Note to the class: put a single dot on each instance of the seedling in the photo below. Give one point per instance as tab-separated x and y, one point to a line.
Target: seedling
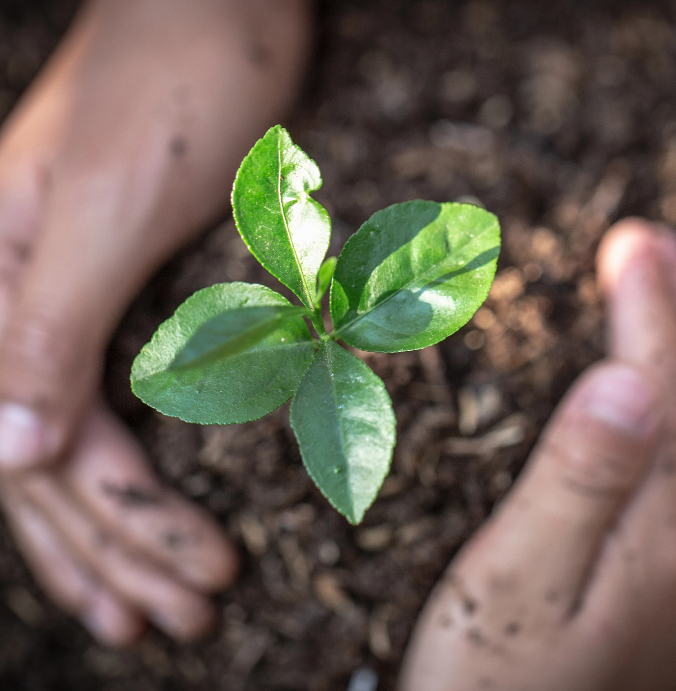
413	274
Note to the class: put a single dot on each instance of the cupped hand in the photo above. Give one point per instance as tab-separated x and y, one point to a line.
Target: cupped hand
114	547
123	148
572	582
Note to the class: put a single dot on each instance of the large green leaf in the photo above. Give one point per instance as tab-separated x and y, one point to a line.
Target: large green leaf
345	426
233	332
413	274
286	230
238	388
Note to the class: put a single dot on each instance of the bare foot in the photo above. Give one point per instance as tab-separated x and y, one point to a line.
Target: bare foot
572	583
124	147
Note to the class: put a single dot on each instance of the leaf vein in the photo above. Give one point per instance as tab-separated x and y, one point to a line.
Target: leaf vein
341	433
286	224
394	293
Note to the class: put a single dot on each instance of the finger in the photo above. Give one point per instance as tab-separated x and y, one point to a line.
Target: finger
68	584
527	567
33	335
590	458
109	475
121	202
84	268
49	363
20	204
637	271
176	609
19	217
27	141
632	595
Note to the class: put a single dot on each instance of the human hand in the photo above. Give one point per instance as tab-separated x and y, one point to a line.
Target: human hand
124	147
111	545
572	582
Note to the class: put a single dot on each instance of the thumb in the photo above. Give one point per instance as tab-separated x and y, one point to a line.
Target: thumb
590	458
530	563
637	272
70	298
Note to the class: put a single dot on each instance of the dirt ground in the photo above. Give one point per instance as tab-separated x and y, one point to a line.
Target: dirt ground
560	117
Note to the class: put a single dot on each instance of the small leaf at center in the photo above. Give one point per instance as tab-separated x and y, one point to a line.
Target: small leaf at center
324	278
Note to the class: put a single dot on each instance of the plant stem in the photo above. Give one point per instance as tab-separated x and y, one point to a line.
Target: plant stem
318	323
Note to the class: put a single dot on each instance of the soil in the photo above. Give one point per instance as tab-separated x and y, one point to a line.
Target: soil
560	117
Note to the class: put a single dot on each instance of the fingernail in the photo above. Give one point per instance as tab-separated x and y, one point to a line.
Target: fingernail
185	625
169	624
668	258
22	436
620	396
102	619
668	244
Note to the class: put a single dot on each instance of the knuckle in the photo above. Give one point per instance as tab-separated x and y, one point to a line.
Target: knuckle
668	566
38	338
601	466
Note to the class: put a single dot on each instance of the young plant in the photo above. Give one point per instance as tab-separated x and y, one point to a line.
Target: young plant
413	274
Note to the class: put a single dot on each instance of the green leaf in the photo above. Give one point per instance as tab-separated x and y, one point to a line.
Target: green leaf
285	229
242	387
345	426
324	278
413	274
232	332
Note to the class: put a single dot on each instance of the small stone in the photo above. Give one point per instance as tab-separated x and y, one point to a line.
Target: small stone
296	563
477	406
329	592
414	531
379	638
374	539
496	112
393	485
328	553
254	534
458	86
297	518
197	485
24	605
363	679
502	481
474	340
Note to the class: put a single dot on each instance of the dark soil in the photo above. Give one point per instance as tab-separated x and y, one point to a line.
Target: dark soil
560	117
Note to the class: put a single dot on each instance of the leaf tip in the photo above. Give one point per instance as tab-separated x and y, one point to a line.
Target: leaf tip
354	519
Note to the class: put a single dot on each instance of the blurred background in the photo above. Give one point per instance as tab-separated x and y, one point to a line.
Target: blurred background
560	117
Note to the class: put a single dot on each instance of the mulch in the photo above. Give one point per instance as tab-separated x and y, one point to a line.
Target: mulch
559	117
